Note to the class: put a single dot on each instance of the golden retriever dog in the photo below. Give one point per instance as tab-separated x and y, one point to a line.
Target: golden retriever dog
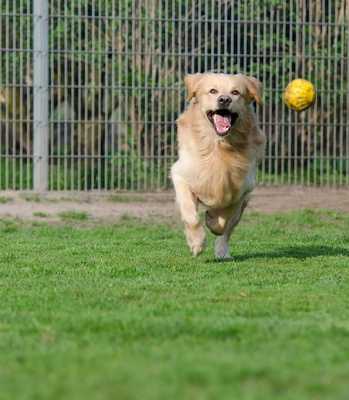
219	148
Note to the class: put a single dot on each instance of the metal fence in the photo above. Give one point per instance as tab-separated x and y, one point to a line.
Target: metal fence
90	89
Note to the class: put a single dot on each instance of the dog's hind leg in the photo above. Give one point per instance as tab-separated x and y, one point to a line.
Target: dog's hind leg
222	242
217	220
188	206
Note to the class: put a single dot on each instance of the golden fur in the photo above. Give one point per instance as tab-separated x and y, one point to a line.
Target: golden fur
216	171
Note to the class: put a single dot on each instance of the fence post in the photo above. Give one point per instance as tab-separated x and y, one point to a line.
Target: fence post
40	86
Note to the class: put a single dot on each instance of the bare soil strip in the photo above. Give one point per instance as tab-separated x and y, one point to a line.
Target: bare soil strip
111	206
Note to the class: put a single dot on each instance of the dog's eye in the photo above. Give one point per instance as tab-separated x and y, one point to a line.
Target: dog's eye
213	91
235	92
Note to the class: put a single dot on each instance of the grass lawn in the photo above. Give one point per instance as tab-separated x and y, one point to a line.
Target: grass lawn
90	311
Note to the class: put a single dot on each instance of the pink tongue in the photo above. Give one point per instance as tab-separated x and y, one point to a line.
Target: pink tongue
221	123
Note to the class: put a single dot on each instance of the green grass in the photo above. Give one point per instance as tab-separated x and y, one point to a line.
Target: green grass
126	198
40	214
5	199
73	215
123	311
31	197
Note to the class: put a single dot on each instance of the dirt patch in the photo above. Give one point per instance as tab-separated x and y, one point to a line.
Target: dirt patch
112	206
281	199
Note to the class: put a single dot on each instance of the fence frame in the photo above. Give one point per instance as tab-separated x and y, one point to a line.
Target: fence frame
90	91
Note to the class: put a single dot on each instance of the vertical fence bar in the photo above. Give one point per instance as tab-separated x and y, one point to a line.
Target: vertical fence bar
301	120
283	69
115	27
133	91
322	90
72	116
276	129
345	88
65	81
119	115
52	80
99	90
40	94
160	98
86	88
106	162
126	113
7	96
40	42
310	135
173	62
328	88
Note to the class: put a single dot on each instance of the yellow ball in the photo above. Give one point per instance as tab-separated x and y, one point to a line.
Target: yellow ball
299	95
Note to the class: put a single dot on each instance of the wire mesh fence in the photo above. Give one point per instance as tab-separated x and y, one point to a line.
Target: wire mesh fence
115	86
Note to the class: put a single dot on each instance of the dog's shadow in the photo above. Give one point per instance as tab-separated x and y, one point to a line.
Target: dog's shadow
296	252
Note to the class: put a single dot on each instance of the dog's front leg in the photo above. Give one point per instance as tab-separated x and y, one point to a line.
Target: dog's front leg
188	206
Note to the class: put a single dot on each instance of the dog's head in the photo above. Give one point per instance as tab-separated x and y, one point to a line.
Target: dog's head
222	98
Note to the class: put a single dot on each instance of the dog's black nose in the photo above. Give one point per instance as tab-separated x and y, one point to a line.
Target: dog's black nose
224	100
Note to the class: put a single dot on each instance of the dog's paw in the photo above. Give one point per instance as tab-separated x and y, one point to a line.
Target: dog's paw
196	240
196	249
221	249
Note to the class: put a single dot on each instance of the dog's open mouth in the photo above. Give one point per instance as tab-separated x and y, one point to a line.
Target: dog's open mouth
222	120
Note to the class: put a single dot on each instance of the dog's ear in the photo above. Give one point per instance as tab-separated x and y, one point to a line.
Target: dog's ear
254	89
191	82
